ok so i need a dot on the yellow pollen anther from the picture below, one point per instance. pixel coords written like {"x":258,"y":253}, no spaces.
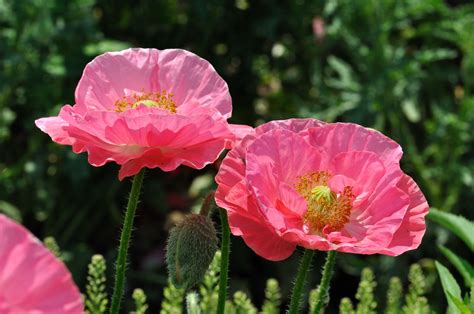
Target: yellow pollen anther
{"x":163,"y":100}
{"x":326,"y":209}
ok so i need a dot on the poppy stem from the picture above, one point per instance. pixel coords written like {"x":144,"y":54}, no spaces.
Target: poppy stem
{"x":305,"y":263}
{"x":324,"y":285}
{"x":121,"y":263}
{"x":225,"y":251}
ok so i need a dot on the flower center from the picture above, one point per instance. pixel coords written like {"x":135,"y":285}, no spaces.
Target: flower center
{"x":163,"y":100}
{"x":326,"y":208}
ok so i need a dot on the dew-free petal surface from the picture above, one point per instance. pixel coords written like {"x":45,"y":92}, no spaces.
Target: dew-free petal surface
{"x":32,"y":279}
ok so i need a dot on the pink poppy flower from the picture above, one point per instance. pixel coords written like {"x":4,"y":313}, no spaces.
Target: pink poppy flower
{"x":319,"y":30}
{"x":334,"y":186}
{"x":32,"y":279}
{"x":147,"y":108}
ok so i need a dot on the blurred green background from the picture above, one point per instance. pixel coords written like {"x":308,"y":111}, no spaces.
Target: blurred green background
{"x":404,"y":67}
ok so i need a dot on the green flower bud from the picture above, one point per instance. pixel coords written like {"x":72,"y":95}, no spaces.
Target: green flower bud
{"x":192,"y":244}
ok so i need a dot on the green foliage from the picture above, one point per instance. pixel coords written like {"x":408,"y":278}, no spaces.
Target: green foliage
{"x":389,"y":65}
{"x":272,"y":302}
{"x":172,"y":300}
{"x":209,"y":287}
{"x":96,"y":298}
{"x":313,"y":298}
{"x":10,"y":211}
{"x":346,"y":307}
{"x":206,"y":300}
{"x":450,"y":287}
{"x":365,"y":293}
{"x":191,"y":247}
{"x":415,"y":301}
{"x":394,"y":296}
{"x":464,"y":229}
{"x":458,"y":225}
{"x":462,"y":266}
{"x":404,"y":67}
{"x":243,"y":305}
{"x":460,"y":306}
{"x":139,"y":297}
{"x":230,"y":307}
{"x":471,"y":300}
{"x":192,"y":303}
{"x":53,"y":246}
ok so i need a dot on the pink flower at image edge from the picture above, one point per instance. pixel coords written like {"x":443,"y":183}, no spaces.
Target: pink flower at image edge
{"x":32,"y":279}
{"x":336,"y":186}
{"x":319,"y":30}
{"x":147,"y":108}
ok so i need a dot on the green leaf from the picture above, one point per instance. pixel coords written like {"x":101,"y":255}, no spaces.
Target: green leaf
{"x":272,"y":301}
{"x":450,"y":286}
{"x":459,"y":225}
{"x":471,"y":298}
{"x":411,"y":110}
{"x":463,"y":308}
{"x":139,"y":297}
{"x":345,"y":79}
{"x":105,"y":45}
{"x":463,"y":266}
{"x":96,"y":300}
{"x":192,"y":303}
{"x":10,"y":210}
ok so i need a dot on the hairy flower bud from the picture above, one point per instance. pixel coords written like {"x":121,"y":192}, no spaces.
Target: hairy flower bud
{"x":192,"y":244}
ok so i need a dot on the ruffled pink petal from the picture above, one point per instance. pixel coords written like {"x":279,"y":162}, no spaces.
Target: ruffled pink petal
{"x":299,"y":237}
{"x":294,"y":125}
{"x":193,"y":81}
{"x":232,"y":169}
{"x":256,"y":186}
{"x":365,"y":169}
{"x":240,"y":131}
{"x":291,"y":200}
{"x":231,"y":172}
{"x":54,"y":127}
{"x":111,"y":75}
{"x":245,"y":136}
{"x":194,"y":142}
{"x":260,"y":238}
{"x":381,"y":217}
{"x":197,"y":157}
{"x":143,"y":138}
{"x":411,"y":231}
{"x":246,"y":220}
{"x":31,"y":279}
{"x":335,"y":138}
{"x":278,"y":156}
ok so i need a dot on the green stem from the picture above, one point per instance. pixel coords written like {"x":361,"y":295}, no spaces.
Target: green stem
{"x":125,"y":241}
{"x":324,"y":285}
{"x":225,"y":250}
{"x":300,"y":281}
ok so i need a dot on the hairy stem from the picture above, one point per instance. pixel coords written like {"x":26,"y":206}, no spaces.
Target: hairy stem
{"x":121,"y":263}
{"x":324,"y":285}
{"x":225,"y":250}
{"x":300,"y":281}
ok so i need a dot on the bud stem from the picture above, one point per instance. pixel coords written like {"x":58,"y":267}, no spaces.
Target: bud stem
{"x":300,"y":281}
{"x":325,"y":279}
{"x":125,"y":241}
{"x":207,"y":204}
{"x":225,"y":250}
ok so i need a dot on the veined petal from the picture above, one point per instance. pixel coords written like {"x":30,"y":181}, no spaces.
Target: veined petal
{"x":321,"y":186}
{"x":32,"y":279}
